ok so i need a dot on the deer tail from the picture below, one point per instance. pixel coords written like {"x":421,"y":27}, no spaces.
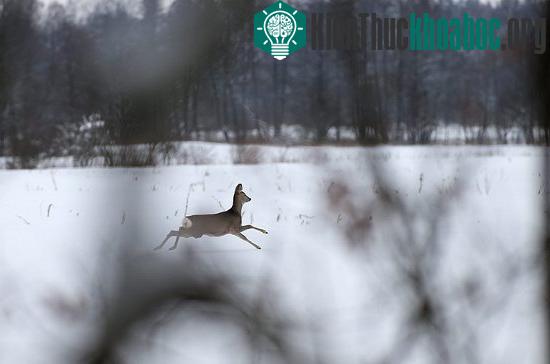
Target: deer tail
{"x":186,"y":223}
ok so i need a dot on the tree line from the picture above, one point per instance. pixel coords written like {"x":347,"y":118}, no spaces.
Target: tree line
{"x":191,"y":71}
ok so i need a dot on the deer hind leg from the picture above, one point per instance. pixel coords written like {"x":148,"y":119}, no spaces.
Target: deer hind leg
{"x":246,"y":227}
{"x":239,"y":235}
{"x":176,"y":243}
{"x":168,"y":236}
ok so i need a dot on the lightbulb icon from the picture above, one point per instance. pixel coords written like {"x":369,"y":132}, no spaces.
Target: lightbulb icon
{"x":280,"y":28}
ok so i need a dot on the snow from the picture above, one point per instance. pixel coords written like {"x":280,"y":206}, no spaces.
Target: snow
{"x":58,"y":225}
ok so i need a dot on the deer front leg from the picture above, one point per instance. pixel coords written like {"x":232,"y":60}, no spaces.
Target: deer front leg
{"x":239,"y":235}
{"x":168,"y":236}
{"x":246,"y":227}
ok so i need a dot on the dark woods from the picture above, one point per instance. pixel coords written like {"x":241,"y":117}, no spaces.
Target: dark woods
{"x":119,"y":76}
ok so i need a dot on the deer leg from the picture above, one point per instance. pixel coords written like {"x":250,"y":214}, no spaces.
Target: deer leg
{"x":176,"y":243}
{"x":168,"y":236}
{"x":246,"y":227}
{"x":239,"y":235}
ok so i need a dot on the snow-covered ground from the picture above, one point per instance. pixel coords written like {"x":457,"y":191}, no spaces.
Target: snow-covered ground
{"x":57,"y":225}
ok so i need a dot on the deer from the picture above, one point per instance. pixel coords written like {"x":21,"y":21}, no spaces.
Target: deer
{"x":223,"y":223}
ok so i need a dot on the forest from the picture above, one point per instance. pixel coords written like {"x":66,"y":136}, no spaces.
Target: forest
{"x":148,"y":73}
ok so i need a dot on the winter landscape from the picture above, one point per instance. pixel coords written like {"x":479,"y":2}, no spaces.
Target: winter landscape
{"x":406,"y":194}
{"x":338,"y":255}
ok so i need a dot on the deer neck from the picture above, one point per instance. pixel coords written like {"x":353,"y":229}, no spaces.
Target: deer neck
{"x":237,"y":205}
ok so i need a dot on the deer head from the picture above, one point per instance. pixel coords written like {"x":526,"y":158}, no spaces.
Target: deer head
{"x":240,"y":194}
{"x":239,"y":198}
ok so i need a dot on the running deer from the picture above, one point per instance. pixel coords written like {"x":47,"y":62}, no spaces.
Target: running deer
{"x":227,"y":222}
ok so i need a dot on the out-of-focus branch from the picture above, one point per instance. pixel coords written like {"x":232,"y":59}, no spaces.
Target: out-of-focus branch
{"x":445,"y":314}
{"x":150,"y":291}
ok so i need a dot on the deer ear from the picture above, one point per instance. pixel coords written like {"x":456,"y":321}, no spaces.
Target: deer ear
{"x":239,"y":188}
